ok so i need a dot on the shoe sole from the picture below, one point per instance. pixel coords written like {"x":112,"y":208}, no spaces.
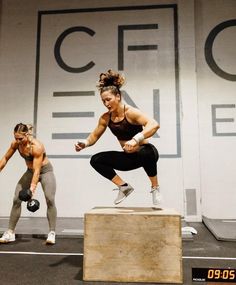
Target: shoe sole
{"x":7,"y":241}
{"x":126,"y":195}
{"x":50,"y":242}
{"x":157,"y":208}
{"x":157,"y":204}
{"x":118,"y":202}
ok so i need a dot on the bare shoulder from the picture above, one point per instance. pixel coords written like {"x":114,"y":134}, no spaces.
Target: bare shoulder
{"x":104,"y":119}
{"x":133,"y":113}
{"x":37,"y":146}
{"x":14,"y":145}
{"x":135,"y":116}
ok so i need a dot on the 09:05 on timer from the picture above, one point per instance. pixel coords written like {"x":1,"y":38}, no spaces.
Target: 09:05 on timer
{"x":225,"y":274}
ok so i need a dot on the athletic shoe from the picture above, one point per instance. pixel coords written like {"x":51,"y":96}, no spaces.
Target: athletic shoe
{"x":156,"y":196}
{"x":7,"y":237}
{"x":124,"y":192}
{"x":51,"y":239}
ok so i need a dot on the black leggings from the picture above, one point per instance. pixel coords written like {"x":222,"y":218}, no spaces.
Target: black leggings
{"x":146,"y":157}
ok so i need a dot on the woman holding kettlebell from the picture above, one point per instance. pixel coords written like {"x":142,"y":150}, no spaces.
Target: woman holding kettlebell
{"x":39,"y":169}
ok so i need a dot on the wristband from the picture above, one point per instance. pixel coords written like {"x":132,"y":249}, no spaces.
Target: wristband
{"x":85,"y":142}
{"x":138,"y":137}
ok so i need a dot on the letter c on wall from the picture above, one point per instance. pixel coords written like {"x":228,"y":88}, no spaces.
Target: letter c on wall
{"x":57,"y":50}
{"x":208,"y":50}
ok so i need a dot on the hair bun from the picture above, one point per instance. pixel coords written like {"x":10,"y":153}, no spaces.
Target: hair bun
{"x":30,"y":129}
{"x":110,"y":78}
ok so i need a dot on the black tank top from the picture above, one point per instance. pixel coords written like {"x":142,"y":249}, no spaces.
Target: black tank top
{"x":124,"y":130}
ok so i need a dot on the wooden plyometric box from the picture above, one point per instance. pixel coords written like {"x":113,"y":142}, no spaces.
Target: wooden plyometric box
{"x":132,"y":245}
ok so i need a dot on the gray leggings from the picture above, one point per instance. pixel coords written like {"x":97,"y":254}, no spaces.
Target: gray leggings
{"x":48,"y":182}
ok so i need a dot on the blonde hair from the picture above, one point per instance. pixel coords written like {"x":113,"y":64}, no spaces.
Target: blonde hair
{"x":24,"y":128}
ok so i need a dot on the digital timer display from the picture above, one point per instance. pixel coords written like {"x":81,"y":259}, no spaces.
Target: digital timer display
{"x":214,"y":275}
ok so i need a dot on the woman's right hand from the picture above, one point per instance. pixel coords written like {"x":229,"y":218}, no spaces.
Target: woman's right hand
{"x":80,"y":145}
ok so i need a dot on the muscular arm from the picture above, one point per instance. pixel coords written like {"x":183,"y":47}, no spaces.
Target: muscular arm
{"x":150,"y":126}
{"x":95,"y":134}
{"x":8,"y":155}
{"x":38,"y":151}
{"x":99,"y":130}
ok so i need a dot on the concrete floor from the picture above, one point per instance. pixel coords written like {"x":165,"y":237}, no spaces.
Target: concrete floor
{"x":34,"y":226}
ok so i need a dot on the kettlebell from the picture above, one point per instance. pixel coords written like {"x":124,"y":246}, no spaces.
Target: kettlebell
{"x":25,"y":195}
{"x":33,"y":205}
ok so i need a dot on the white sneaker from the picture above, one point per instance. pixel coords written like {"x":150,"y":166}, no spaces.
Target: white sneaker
{"x":51,"y":239}
{"x":156,"y":196}
{"x":7,"y":237}
{"x":124,"y":192}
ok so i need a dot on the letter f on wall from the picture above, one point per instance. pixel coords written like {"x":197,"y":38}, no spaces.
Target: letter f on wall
{"x":121,"y":30}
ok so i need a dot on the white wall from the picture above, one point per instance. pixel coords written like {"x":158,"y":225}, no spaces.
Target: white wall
{"x":217,"y":148}
{"x":191,"y":171}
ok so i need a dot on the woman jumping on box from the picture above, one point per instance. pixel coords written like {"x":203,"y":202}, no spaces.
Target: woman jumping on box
{"x":132,"y":129}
